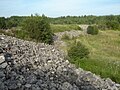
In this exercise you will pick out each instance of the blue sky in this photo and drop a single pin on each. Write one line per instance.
(55, 8)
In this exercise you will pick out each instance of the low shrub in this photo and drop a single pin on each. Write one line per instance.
(78, 51)
(93, 30)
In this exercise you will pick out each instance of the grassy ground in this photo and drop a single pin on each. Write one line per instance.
(61, 28)
(104, 58)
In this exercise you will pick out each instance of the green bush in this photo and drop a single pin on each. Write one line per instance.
(113, 25)
(93, 30)
(102, 27)
(10, 24)
(21, 34)
(78, 51)
(2, 23)
(38, 28)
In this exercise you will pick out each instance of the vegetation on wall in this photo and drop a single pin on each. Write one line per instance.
(38, 28)
(31, 28)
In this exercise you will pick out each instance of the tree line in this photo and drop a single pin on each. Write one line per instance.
(103, 22)
(8, 23)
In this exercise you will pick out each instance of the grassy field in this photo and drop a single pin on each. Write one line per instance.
(61, 28)
(104, 58)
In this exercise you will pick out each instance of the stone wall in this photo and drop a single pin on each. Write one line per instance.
(26, 65)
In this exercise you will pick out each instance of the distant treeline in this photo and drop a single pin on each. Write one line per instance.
(13, 21)
(103, 22)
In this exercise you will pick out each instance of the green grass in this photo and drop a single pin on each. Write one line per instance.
(61, 28)
(104, 58)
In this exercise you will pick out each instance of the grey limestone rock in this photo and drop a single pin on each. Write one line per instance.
(27, 85)
(3, 64)
(67, 86)
(2, 74)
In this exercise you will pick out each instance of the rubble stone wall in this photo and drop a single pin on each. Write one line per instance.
(26, 65)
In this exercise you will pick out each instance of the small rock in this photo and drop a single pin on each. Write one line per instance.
(12, 84)
(2, 59)
(53, 88)
(1, 38)
(67, 86)
(4, 65)
(51, 78)
(8, 57)
(2, 74)
(19, 84)
(31, 79)
(67, 61)
(52, 72)
(1, 50)
(27, 85)
(110, 82)
(35, 87)
(64, 69)
(39, 82)
(117, 85)
(2, 86)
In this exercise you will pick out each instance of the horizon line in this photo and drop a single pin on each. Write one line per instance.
(61, 15)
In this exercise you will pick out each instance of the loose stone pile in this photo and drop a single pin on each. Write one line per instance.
(59, 43)
(26, 65)
(71, 34)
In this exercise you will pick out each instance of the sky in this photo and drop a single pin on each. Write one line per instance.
(56, 8)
